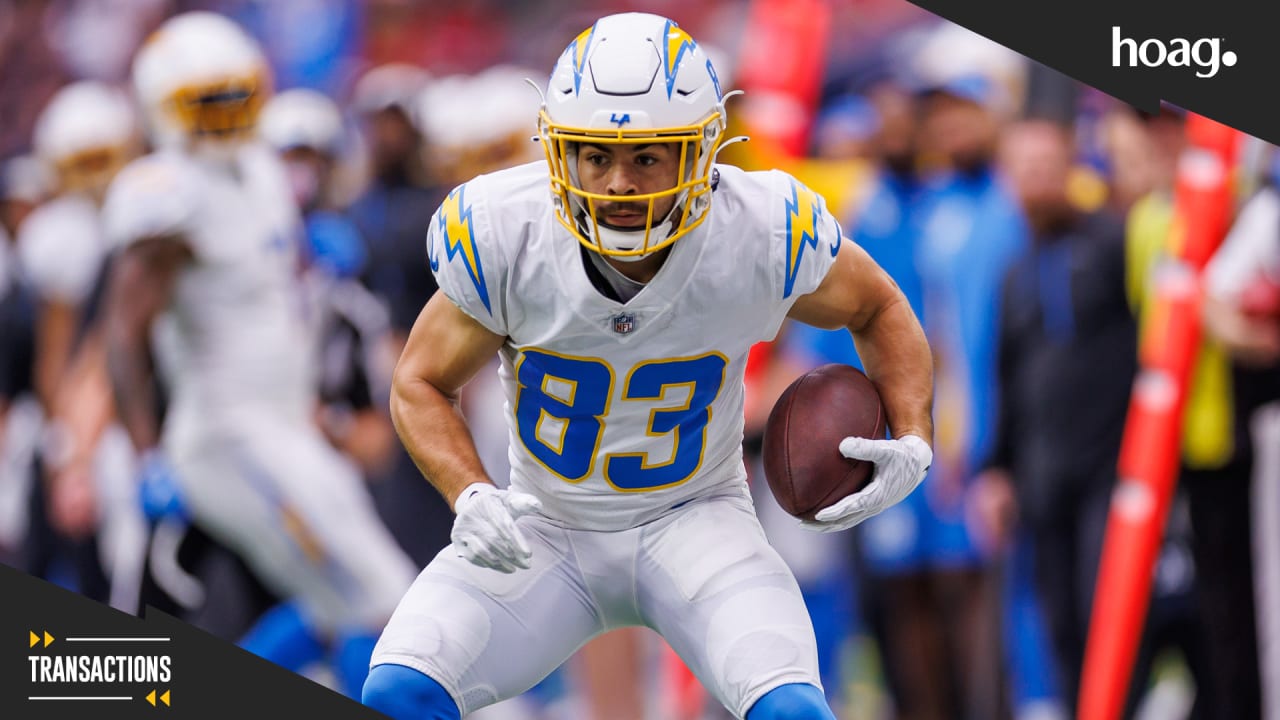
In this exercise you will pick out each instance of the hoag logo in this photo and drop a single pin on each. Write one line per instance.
(1205, 54)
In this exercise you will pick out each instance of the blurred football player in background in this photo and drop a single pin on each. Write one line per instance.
(87, 499)
(208, 266)
(623, 306)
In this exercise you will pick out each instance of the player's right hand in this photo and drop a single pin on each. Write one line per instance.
(485, 531)
(158, 489)
(900, 466)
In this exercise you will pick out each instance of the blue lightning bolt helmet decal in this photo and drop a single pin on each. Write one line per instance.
(457, 231)
(802, 230)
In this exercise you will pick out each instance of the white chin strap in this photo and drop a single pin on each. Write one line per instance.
(625, 240)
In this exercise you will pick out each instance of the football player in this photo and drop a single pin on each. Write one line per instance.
(207, 264)
(85, 134)
(622, 283)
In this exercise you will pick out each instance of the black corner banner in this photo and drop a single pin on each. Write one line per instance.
(1215, 58)
(65, 656)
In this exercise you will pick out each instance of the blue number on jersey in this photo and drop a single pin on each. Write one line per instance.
(562, 403)
(703, 377)
(569, 396)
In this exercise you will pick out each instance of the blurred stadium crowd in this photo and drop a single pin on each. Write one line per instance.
(1023, 214)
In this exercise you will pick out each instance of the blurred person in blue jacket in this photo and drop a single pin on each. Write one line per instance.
(946, 238)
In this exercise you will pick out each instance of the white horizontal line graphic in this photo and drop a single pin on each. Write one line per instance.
(119, 639)
(81, 697)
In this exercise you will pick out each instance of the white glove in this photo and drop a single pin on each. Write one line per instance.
(485, 531)
(900, 466)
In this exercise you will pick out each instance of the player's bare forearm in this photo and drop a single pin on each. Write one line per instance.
(897, 358)
(435, 434)
(445, 349)
(129, 366)
(140, 285)
(55, 337)
(83, 404)
(858, 295)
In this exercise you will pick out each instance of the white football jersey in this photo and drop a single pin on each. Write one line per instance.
(619, 412)
(61, 247)
(235, 335)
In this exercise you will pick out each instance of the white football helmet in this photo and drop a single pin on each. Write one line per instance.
(200, 77)
(479, 123)
(302, 118)
(633, 78)
(85, 134)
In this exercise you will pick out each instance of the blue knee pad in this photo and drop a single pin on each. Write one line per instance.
(797, 701)
(403, 693)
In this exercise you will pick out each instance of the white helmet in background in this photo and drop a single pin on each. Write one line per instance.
(305, 128)
(633, 78)
(302, 118)
(200, 77)
(85, 134)
(510, 108)
(392, 85)
(480, 123)
(444, 113)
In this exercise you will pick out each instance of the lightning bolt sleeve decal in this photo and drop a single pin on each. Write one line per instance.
(456, 228)
(802, 230)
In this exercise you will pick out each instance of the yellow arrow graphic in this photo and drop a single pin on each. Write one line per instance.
(34, 639)
(165, 697)
(47, 638)
(151, 698)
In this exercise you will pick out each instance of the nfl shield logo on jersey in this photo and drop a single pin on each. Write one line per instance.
(624, 323)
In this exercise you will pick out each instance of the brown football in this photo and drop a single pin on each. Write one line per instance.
(802, 460)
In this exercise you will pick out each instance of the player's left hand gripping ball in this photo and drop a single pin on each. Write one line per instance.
(485, 531)
(900, 466)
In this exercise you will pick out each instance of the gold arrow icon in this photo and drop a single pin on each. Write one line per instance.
(165, 697)
(35, 639)
(47, 638)
(151, 698)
